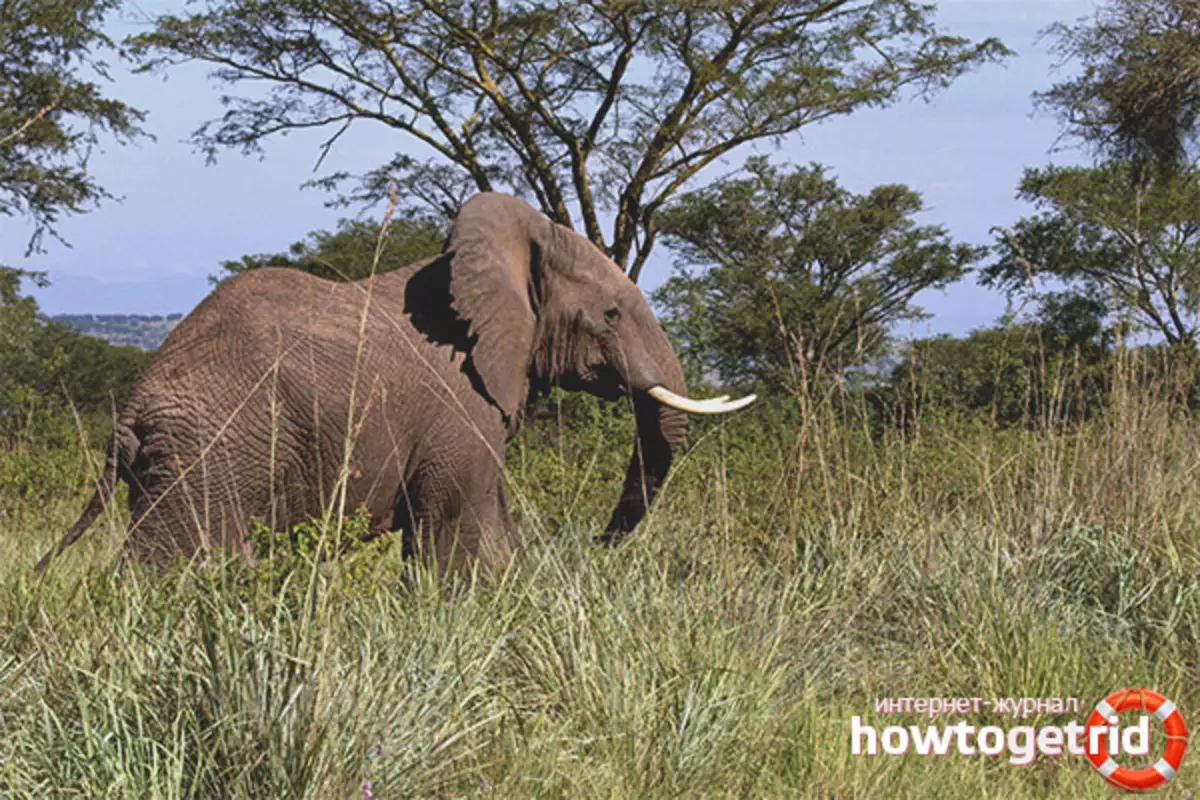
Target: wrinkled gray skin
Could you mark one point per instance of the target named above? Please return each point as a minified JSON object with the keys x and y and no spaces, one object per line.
{"x":244,"y":411}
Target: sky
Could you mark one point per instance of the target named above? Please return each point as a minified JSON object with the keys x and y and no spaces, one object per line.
{"x":178,"y":218}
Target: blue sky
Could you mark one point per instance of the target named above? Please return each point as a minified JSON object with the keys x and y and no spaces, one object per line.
{"x":179,"y":218}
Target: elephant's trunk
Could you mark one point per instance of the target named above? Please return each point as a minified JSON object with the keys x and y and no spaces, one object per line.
{"x":660,"y":430}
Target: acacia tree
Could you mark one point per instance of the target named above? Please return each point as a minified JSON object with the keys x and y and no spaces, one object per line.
{"x":798,"y":272}
{"x":587,"y":108}
{"x":51,"y":114}
{"x":1136,"y":96}
{"x":1123,"y":237}
{"x":1123,"y":234}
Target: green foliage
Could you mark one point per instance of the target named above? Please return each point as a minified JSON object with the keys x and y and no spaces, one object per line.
{"x":47,"y":368}
{"x":1137,"y":95}
{"x":90,"y":373}
{"x":801,"y":275}
{"x":30,"y":476}
{"x":286,"y":560}
{"x":1010,"y":374}
{"x":350,"y":252}
{"x":18,"y":327}
{"x":797,"y":567}
{"x":650,"y":94}
{"x":1130,"y":243}
{"x":566,"y":436}
{"x":51,"y":115}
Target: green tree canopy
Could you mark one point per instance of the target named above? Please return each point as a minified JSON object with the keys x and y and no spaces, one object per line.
{"x":1136,"y":97}
{"x":349,"y":253}
{"x":1130,"y":242}
{"x":51,"y":114}
{"x":44,"y":365}
{"x":1049,"y":365}
{"x":797,"y":271}
{"x":585,"y":107}
{"x":18,"y":324}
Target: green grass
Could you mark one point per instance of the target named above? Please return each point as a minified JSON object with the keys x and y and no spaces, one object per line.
{"x":798,"y":566}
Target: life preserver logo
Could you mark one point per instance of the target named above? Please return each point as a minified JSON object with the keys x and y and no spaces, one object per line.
{"x":1105,"y":715}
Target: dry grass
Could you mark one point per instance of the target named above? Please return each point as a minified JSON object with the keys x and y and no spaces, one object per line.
{"x":799,"y":565}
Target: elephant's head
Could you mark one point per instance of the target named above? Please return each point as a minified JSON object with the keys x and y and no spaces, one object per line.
{"x":546,"y":307}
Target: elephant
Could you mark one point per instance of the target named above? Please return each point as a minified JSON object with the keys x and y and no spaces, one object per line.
{"x":422,"y":374}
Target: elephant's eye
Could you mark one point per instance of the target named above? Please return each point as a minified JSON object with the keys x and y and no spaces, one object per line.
{"x":612,"y":314}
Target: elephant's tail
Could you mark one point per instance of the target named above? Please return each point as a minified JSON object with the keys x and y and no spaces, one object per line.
{"x":124,"y":448}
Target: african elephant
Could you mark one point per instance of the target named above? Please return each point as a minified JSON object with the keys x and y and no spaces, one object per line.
{"x":247,"y":408}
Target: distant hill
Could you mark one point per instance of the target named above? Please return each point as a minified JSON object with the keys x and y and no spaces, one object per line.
{"x":140,"y":330}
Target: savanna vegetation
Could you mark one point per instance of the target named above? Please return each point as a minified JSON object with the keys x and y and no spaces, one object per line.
{"x":1011,"y":513}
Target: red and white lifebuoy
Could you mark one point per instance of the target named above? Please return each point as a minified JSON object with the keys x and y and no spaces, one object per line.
{"x":1152,"y":777}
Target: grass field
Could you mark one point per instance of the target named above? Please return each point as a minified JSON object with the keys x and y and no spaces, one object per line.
{"x":798,"y":566}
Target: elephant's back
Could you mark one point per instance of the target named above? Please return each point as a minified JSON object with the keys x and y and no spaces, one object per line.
{"x":257,"y":302}
{"x":239,"y":330}
{"x":231,"y":348}
{"x":280,"y":341}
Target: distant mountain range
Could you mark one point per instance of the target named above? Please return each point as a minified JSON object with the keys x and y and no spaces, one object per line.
{"x":146,"y":331}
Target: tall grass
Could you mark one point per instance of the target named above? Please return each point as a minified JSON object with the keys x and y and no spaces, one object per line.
{"x":801,"y":562}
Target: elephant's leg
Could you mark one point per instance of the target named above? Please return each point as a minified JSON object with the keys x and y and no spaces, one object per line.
{"x":494,"y":529}
{"x":203,"y":511}
{"x":162,"y":528}
{"x":463,"y":516}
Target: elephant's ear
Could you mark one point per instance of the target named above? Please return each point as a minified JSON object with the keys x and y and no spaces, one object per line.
{"x":494,"y":297}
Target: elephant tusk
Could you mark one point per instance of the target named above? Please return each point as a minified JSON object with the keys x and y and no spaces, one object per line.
{"x":716,"y":405}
